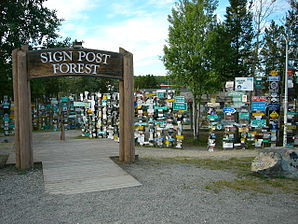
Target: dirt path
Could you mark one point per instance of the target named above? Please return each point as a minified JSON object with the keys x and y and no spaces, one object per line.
{"x":171,"y":153}
{"x":143,"y":152}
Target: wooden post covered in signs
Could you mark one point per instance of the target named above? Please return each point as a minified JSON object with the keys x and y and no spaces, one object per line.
{"x":22,"y":100}
{"x":127,"y":145}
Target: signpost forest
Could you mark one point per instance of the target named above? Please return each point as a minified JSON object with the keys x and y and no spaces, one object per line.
{"x":34,"y":64}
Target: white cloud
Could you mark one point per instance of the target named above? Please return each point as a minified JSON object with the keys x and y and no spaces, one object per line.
{"x":144,"y":37}
{"x":142,"y":28}
{"x":70,"y":9}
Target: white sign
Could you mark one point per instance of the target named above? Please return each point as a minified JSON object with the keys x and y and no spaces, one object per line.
{"x":244,"y":84}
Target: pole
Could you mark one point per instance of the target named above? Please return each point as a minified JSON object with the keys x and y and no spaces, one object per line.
{"x":286,"y":98}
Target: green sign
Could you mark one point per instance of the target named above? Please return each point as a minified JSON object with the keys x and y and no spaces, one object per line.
{"x":244,"y":116}
{"x":161,"y":95}
{"x":179,"y":106}
{"x":293,"y":113}
{"x":81,"y":104}
{"x":180,"y":99}
{"x":258,"y":123}
{"x":235,"y":94}
{"x":160,"y":108}
{"x":212,"y":117}
{"x":64,"y":99}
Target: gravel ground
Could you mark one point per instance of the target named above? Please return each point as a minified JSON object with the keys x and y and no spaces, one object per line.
{"x":170,"y":193}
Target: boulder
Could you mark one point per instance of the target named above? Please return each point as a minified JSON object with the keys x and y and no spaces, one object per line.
{"x":277,"y":163}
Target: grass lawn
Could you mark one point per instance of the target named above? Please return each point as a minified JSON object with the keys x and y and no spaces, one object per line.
{"x":245,"y":180}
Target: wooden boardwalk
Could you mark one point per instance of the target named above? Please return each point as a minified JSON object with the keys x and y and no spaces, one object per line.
{"x":80,"y":166}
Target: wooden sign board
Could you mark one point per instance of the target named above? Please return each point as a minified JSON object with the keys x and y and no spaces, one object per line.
{"x":75,"y":62}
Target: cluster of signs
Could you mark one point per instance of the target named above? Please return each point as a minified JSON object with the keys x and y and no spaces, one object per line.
{"x":7,"y":124}
{"x":53,"y":111}
{"x":100,"y":115}
{"x":159,"y":116}
{"x":256,"y":119}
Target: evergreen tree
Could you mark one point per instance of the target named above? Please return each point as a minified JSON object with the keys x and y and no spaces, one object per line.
{"x":291,"y":30}
{"x":145,"y":82}
{"x":240,"y":33}
{"x":272,"y":54}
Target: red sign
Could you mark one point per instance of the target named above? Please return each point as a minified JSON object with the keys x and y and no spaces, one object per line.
{"x":259,"y":98}
{"x":290,"y":72}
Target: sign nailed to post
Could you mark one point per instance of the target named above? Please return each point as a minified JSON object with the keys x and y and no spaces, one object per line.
{"x":244,"y":83}
{"x":83,"y":62}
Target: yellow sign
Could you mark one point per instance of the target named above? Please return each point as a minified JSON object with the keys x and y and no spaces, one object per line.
{"x":258,"y":114}
{"x":274,"y":115}
{"x":151,"y":94}
{"x":243,"y":129}
{"x":291,"y":127}
{"x":179,"y":136}
{"x":274,"y":73}
{"x":213,"y":100}
{"x":170,"y":100}
{"x":141,"y":128}
{"x":89,"y":111}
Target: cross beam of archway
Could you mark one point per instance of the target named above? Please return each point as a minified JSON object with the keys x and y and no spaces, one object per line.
{"x":29,"y":65}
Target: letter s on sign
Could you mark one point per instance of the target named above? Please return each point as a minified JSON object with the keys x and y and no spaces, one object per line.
{"x":43,"y":57}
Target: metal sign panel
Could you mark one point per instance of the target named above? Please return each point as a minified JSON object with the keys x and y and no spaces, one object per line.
{"x":259,"y":98}
{"x":273,"y":85}
{"x":274,"y":106}
{"x":244,"y":116}
{"x":274,"y":115}
{"x":180,"y":99}
{"x":244,"y":83}
{"x":273,"y":78}
{"x":258,"y":106}
{"x":258,"y":123}
{"x":179,"y":106}
{"x":229,"y":110}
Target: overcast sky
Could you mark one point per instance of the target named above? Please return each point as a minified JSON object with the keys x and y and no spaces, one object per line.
{"x":139,"y":26}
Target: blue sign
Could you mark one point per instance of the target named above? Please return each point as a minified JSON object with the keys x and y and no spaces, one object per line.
{"x":274,"y":106}
{"x":229,"y":110}
{"x":258,"y":106}
{"x":273,"y":78}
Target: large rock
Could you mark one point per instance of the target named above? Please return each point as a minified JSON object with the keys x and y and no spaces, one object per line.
{"x":277,"y":163}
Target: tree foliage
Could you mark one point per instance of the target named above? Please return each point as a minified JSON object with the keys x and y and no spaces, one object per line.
{"x":272,"y":54}
{"x":239,"y":29}
{"x":186,"y":53}
{"x":191,"y":23}
{"x":146,"y":82}
{"x":23,"y":22}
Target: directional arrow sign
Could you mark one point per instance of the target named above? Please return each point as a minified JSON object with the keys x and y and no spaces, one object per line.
{"x":229,"y":110}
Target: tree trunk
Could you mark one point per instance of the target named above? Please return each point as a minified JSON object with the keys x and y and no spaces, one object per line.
{"x":195,"y":119}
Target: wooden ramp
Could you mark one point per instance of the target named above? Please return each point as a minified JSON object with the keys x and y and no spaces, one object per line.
{"x":80,"y":166}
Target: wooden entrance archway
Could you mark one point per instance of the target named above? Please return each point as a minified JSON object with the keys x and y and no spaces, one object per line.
{"x":29,"y":65}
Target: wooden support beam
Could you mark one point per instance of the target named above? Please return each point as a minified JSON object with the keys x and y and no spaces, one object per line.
{"x":22,"y":98}
{"x":127,"y":145}
{"x":121,"y":113}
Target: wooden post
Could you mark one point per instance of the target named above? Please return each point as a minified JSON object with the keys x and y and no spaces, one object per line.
{"x":22,"y":99}
{"x":121,"y":112}
{"x":127,"y":145}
